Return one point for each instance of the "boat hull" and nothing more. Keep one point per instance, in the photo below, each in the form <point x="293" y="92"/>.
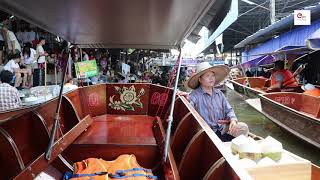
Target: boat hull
<point x="287" y="111"/>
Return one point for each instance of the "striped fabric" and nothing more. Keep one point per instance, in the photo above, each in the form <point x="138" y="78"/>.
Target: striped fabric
<point x="212" y="107"/>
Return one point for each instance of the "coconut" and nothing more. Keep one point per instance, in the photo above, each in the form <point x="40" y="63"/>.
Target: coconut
<point x="271" y="148"/>
<point x="266" y="162"/>
<point x="286" y="159"/>
<point x="250" y="149"/>
<point x="247" y="163"/>
<point x="236" y="142"/>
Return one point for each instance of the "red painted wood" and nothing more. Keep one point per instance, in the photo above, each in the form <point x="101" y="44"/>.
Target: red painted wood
<point x="315" y="172"/>
<point x="93" y="100"/>
<point x="186" y="130"/>
<point x="119" y="129"/>
<point x="14" y="112"/>
<point x="169" y="167"/>
<point x="198" y="157"/>
<point x="28" y="134"/>
<point x="111" y="91"/>
<point x="157" y="97"/>
<point x="59" y="146"/>
<point x="75" y="98"/>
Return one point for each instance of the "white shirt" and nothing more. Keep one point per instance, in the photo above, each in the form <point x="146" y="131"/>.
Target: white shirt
<point x="11" y="65"/>
<point x="12" y="39"/>
<point x="32" y="58"/>
<point x="40" y="52"/>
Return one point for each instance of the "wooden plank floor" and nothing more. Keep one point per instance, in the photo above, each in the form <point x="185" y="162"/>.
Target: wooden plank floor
<point x="119" y="129"/>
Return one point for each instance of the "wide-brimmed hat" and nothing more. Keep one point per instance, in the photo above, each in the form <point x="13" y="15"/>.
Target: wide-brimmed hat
<point x="220" y="72"/>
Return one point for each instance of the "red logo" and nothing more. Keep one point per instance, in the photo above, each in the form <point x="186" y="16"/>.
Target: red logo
<point x="159" y="99"/>
<point x="299" y="15"/>
<point x="93" y="99"/>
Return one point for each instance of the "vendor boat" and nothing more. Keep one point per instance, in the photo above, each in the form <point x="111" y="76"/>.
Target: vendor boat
<point x="297" y="113"/>
<point x="253" y="86"/>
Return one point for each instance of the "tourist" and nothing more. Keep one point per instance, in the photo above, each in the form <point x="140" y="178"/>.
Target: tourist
<point x="9" y="96"/>
<point x="281" y="77"/>
<point x="41" y="54"/>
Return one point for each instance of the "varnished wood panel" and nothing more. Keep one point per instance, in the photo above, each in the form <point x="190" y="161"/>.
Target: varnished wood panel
<point x="179" y="112"/>
<point x="93" y="100"/>
<point x="169" y="166"/>
<point x="29" y="135"/>
<point x="119" y="129"/>
<point x="134" y="93"/>
<point x="159" y="100"/>
<point x="187" y="128"/>
<point x="59" y="146"/>
<point x="301" y="125"/>
<point x="75" y="98"/>
<point x="4" y="115"/>
<point x="200" y="153"/>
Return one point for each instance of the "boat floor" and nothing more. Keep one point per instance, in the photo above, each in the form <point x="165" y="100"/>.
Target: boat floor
<point x="119" y="129"/>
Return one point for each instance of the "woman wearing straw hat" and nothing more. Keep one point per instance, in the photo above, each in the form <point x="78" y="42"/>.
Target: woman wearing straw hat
<point x="211" y="104"/>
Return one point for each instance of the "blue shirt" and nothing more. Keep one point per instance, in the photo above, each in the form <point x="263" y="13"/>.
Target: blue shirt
<point x="212" y="107"/>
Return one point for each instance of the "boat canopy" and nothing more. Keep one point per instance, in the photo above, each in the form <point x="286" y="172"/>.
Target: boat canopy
<point x="149" y="24"/>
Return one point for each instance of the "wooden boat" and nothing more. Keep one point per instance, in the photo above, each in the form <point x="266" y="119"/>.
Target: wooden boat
<point x="297" y="113"/>
<point x="108" y="120"/>
<point x="250" y="86"/>
<point x="105" y="121"/>
<point x="253" y="86"/>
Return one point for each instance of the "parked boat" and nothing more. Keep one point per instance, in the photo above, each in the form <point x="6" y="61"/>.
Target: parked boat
<point x="299" y="114"/>
<point x="105" y="121"/>
<point x="253" y="86"/>
<point x="250" y="86"/>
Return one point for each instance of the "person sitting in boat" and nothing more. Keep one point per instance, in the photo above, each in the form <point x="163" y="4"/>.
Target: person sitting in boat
<point x="311" y="90"/>
<point x="211" y="104"/>
<point x="69" y="85"/>
<point x="281" y="78"/>
<point x="9" y="96"/>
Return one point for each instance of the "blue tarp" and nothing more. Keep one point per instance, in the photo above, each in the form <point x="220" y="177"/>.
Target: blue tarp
<point x="314" y="40"/>
<point x="295" y="37"/>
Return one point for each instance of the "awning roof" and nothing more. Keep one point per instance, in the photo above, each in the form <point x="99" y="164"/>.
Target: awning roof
<point x="313" y="41"/>
<point x="152" y="24"/>
<point x="278" y="27"/>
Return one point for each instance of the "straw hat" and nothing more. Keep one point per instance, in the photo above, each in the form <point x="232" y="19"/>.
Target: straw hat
<point x="220" y="71"/>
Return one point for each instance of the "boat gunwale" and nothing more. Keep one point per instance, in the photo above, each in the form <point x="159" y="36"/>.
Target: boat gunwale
<point x="301" y="114"/>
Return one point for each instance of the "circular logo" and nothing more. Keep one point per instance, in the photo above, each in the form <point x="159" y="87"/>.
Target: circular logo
<point x="299" y="15"/>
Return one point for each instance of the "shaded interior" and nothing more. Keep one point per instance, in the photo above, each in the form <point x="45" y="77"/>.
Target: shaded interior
<point x="91" y="125"/>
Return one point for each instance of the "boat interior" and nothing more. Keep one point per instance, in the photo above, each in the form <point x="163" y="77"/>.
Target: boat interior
<point x="308" y="105"/>
<point x="255" y="82"/>
<point x="104" y="121"/>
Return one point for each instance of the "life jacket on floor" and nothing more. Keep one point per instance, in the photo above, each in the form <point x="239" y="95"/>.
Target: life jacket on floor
<point x="125" y="167"/>
<point x="288" y="81"/>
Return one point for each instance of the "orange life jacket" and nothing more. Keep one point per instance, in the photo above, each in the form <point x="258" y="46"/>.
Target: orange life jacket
<point x="125" y="167"/>
<point x="313" y="92"/>
<point x="289" y="80"/>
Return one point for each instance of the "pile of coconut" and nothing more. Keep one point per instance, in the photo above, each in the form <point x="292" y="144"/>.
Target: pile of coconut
<point x="253" y="153"/>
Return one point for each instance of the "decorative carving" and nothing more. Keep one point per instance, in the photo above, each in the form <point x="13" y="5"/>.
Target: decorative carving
<point x="128" y="98"/>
